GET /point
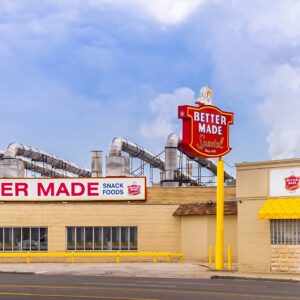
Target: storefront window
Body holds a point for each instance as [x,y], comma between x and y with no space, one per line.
[23,239]
[7,239]
[285,232]
[133,238]
[34,239]
[79,238]
[88,238]
[17,243]
[102,238]
[43,239]
[107,238]
[71,238]
[26,239]
[124,238]
[116,238]
[98,238]
[1,239]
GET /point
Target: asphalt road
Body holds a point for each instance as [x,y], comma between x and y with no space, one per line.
[27,286]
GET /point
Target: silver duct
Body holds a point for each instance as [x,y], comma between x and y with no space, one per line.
[97,157]
[118,145]
[171,160]
[14,150]
[208,164]
[43,170]
[172,144]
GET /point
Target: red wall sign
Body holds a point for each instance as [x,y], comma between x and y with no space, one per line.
[205,130]
[292,183]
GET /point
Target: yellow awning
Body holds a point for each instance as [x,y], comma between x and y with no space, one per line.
[283,208]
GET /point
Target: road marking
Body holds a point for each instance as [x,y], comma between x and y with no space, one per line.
[217,293]
[73,296]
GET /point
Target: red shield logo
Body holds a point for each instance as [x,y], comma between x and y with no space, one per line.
[292,183]
[205,130]
[134,189]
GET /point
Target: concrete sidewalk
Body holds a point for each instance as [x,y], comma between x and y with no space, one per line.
[163,270]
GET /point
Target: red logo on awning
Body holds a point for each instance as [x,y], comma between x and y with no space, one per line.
[134,189]
[292,182]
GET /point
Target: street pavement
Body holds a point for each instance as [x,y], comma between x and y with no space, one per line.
[38,286]
[162,270]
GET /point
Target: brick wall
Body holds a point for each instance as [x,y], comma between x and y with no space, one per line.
[285,258]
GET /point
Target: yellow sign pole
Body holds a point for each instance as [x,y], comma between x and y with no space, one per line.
[219,256]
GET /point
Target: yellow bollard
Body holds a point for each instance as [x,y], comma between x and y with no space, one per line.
[210,253]
[229,256]
[169,258]
[155,258]
[28,258]
[219,254]
[118,258]
[72,257]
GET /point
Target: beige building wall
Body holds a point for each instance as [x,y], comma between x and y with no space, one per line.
[199,232]
[158,229]
[194,237]
[177,195]
[254,244]
[230,234]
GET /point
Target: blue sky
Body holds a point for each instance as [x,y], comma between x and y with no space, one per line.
[76,73]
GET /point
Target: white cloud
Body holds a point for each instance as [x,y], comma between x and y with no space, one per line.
[256,60]
[167,12]
[280,111]
[164,107]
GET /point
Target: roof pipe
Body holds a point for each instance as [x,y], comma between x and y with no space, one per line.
[18,150]
[206,163]
[43,170]
[120,144]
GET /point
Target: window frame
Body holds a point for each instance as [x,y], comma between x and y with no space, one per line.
[13,231]
[285,231]
[101,231]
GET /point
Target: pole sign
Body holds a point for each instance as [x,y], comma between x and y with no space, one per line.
[72,189]
[205,130]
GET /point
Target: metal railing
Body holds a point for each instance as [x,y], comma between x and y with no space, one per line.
[72,255]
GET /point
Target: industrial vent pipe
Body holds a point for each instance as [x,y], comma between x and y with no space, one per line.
[97,157]
[120,144]
[171,160]
[14,150]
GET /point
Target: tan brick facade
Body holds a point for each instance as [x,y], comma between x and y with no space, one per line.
[285,258]
[158,229]
[255,253]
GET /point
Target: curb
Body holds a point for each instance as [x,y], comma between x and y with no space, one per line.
[16,272]
[254,278]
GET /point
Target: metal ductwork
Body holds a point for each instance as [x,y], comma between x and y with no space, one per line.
[203,162]
[97,157]
[172,144]
[43,170]
[208,164]
[120,144]
[19,150]
[171,160]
